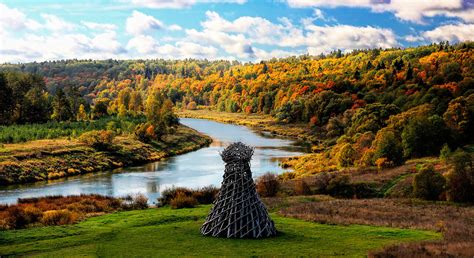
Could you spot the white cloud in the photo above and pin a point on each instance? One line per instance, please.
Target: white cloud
(99, 26)
(56, 24)
(177, 4)
(323, 39)
(413, 38)
(239, 37)
(174, 27)
(452, 32)
(34, 47)
(148, 47)
(235, 44)
(140, 23)
(410, 10)
(144, 44)
(13, 19)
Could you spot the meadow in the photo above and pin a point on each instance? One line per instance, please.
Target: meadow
(19, 133)
(167, 232)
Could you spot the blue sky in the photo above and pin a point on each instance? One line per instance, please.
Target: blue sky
(246, 30)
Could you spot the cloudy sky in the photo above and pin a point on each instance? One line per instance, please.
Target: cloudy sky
(246, 30)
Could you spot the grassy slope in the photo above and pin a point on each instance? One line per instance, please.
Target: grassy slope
(49, 159)
(166, 232)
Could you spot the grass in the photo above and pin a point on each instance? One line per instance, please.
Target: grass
(53, 129)
(51, 159)
(455, 221)
(164, 232)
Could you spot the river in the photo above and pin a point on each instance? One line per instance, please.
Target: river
(194, 169)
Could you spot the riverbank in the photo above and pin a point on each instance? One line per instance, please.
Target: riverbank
(51, 159)
(259, 122)
(168, 232)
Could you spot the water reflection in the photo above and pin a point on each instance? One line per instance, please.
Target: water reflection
(196, 169)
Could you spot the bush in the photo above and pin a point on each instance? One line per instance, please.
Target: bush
(59, 217)
(445, 153)
(206, 195)
(302, 188)
(346, 156)
(460, 179)
(183, 201)
(98, 139)
(171, 193)
(136, 202)
(428, 184)
(144, 132)
(268, 185)
(340, 186)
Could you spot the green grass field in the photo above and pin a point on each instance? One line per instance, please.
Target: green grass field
(165, 232)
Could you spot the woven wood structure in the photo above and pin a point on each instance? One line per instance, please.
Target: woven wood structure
(238, 212)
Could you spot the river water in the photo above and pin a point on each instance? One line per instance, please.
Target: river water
(195, 169)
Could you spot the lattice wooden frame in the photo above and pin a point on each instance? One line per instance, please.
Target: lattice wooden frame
(238, 212)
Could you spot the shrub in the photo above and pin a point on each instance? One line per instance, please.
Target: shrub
(302, 188)
(268, 185)
(98, 139)
(445, 153)
(460, 179)
(183, 201)
(206, 195)
(136, 201)
(191, 105)
(428, 184)
(340, 186)
(346, 156)
(59, 217)
(383, 163)
(170, 193)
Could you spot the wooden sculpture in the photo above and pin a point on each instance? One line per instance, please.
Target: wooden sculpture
(238, 212)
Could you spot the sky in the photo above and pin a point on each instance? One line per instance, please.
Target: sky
(244, 30)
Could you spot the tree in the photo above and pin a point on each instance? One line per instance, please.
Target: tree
(6, 105)
(61, 107)
(346, 156)
(460, 178)
(136, 103)
(81, 113)
(423, 136)
(387, 145)
(459, 116)
(100, 108)
(428, 184)
(122, 111)
(409, 74)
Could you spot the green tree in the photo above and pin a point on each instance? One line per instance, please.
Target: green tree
(346, 156)
(100, 108)
(460, 178)
(428, 184)
(388, 145)
(61, 107)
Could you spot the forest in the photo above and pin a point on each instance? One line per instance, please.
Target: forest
(373, 107)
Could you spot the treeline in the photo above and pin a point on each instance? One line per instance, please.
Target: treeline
(375, 107)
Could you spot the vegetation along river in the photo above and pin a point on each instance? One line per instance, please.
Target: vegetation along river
(195, 169)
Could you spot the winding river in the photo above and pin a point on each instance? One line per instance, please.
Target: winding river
(195, 169)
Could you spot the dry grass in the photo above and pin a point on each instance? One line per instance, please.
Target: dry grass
(56, 210)
(454, 221)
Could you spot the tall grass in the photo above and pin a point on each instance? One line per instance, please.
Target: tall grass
(52, 129)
